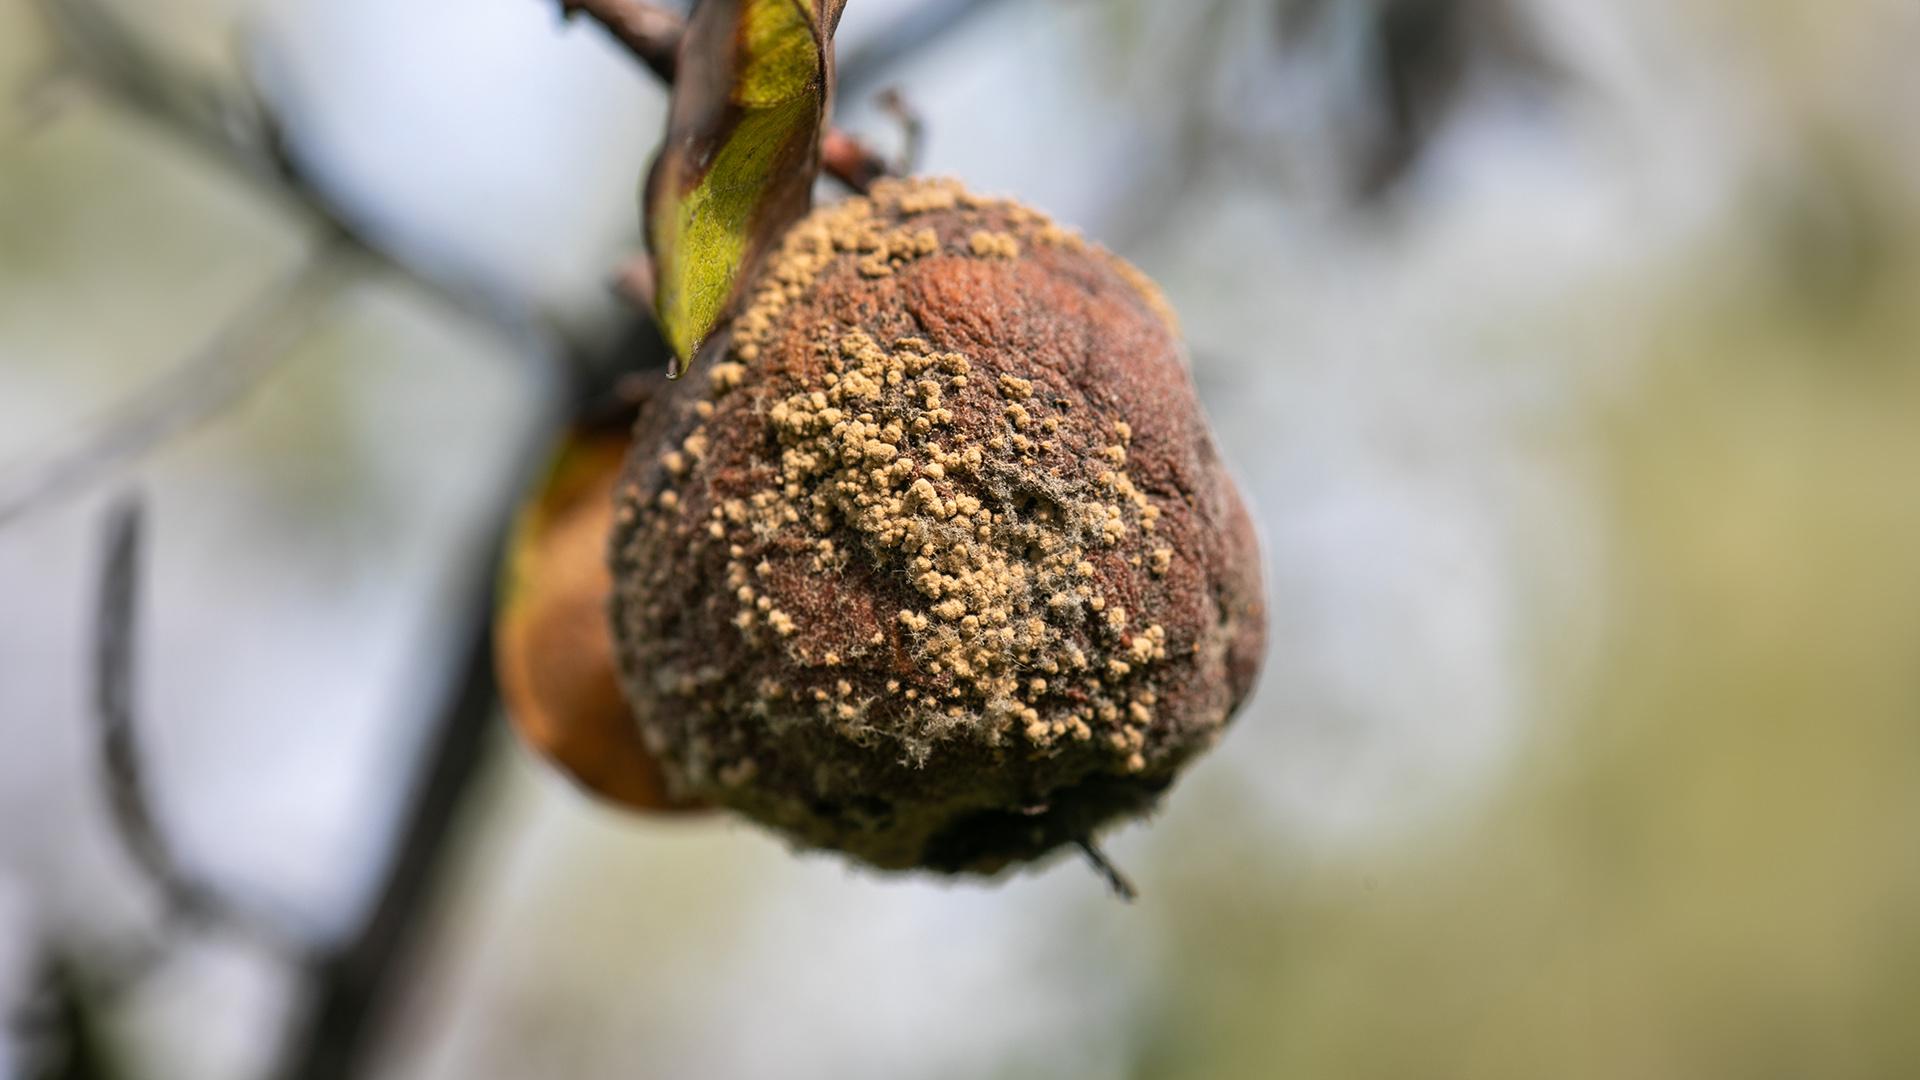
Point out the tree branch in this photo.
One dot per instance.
(849, 161)
(913, 129)
(650, 33)
(213, 114)
(232, 128)
(352, 984)
(360, 984)
(356, 985)
(186, 897)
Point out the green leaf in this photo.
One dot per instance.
(741, 153)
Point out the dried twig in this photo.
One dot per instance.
(650, 33)
(354, 984)
(187, 898)
(653, 35)
(1116, 880)
(913, 130)
(849, 161)
(360, 984)
(234, 130)
(101, 49)
(113, 677)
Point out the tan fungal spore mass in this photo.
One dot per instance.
(936, 565)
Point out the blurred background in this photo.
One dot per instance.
(1569, 354)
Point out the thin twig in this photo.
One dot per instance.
(913, 129)
(652, 34)
(221, 372)
(113, 677)
(101, 47)
(233, 129)
(358, 985)
(187, 898)
(849, 161)
(1116, 880)
(354, 986)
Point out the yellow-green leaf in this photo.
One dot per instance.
(741, 153)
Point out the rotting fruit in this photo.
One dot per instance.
(933, 562)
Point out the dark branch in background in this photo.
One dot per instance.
(653, 34)
(217, 116)
(113, 678)
(913, 130)
(844, 158)
(650, 33)
(353, 986)
(232, 128)
(1419, 69)
(186, 897)
(1415, 62)
(358, 987)
(352, 983)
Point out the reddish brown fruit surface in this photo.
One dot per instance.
(934, 563)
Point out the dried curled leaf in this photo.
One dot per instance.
(553, 646)
(741, 153)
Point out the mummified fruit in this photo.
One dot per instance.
(934, 563)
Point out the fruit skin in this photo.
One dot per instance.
(934, 563)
